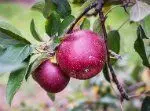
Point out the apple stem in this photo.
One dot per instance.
(114, 77)
(80, 16)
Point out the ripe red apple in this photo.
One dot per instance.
(50, 77)
(81, 54)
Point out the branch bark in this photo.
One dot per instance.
(114, 77)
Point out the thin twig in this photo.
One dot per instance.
(119, 86)
(138, 95)
(136, 86)
(80, 16)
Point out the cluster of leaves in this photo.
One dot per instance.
(17, 55)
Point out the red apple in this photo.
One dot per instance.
(50, 77)
(81, 54)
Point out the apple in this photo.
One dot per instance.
(81, 54)
(50, 77)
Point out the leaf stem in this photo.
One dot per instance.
(123, 24)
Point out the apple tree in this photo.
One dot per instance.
(78, 45)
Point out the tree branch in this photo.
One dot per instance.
(114, 77)
(119, 86)
(80, 16)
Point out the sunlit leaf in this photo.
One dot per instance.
(85, 24)
(13, 57)
(6, 41)
(146, 26)
(139, 11)
(39, 6)
(97, 27)
(12, 32)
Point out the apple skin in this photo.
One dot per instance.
(81, 54)
(50, 77)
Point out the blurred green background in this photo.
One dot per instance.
(95, 94)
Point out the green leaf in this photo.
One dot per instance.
(39, 6)
(146, 104)
(6, 41)
(77, 1)
(85, 24)
(34, 32)
(48, 8)
(86, 4)
(2, 49)
(51, 96)
(4, 67)
(13, 57)
(106, 73)
(33, 59)
(140, 49)
(14, 83)
(16, 54)
(53, 24)
(146, 26)
(63, 7)
(114, 43)
(141, 32)
(12, 32)
(97, 27)
(65, 23)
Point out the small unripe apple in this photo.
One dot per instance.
(50, 77)
(81, 54)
